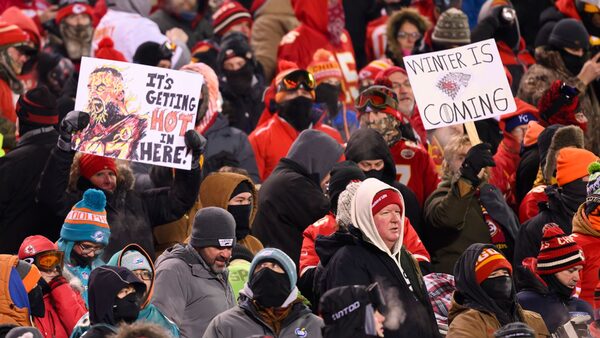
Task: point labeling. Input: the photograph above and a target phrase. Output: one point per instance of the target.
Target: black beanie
(341, 175)
(244, 186)
(37, 108)
(569, 33)
(234, 47)
(47, 62)
(151, 53)
(241, 252)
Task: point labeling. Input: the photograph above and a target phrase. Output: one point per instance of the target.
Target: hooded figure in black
(485, 298)
(107, 307)
(292, 197)
(368, 144)
(242, 88)
(353, 311)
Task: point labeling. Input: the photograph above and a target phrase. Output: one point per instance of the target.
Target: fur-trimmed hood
(568, 136)
(394, 23)
(125, 178)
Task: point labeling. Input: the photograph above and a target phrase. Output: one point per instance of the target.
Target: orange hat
(572, 164)
(534, 130)
(490, 260)
(324, 66)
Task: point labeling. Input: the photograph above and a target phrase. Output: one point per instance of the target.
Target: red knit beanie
(384, 198)
(558, 252)
(230, 13)
(11, 34)
(490, 260)
(74, 9)
(91, 164)
(106, 50)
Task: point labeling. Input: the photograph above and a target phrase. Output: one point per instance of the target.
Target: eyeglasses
(404, 35)
(88, 249)
(48, 261)
(298, 79)
(378, 97)
(143, 274)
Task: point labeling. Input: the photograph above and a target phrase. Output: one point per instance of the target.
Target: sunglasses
(404, 35)
(377, 97)
(87, 249)
(48, 261)
(298, 79)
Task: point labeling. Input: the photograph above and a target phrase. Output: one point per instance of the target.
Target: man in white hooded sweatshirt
(377, 255)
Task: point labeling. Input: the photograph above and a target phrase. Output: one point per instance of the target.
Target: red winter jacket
(272, 141)
(64, 307)
(300, 44)
(327, 226)
(587, 236)
(530, 204)
(415, 168)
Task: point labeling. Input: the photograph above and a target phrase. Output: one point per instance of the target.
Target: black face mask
(328, 94)
(498, 288)
(270, 288)
(80, 260)
(126, 309)
(554, 285)
(297, 112)
(241, 214)
(573, 63)
(378, 174)
(240, 81)
(573, 194)
(36, 302)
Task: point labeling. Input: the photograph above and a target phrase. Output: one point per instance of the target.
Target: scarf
(274, 317)
(335, 28)
(584, 224)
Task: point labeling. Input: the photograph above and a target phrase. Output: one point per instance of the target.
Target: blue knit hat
(87, 220)
(280, 257)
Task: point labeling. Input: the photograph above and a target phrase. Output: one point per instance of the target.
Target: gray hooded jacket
(188, 292)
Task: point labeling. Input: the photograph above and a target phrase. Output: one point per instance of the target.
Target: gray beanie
(213, 227)
(452, 28)
(343, 217)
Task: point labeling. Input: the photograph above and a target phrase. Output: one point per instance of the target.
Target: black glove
(478, 157)
(73, 122)
(196, 143)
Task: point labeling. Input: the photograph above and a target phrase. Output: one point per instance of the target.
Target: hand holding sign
(73, 122)
(458, 85)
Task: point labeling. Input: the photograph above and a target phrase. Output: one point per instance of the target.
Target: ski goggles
(47, 261)
(378, 98)
(298, 79)
(592, 9)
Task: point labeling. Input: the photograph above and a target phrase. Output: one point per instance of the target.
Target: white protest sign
(137, 113)
(461, 84)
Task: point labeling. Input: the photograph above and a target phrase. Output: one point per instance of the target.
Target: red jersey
(272, 141)
(300, 44)
(376, 40)
(415, 169)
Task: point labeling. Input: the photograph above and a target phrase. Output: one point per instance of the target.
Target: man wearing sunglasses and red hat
(64, 306)
(294, 99)
(378, 110)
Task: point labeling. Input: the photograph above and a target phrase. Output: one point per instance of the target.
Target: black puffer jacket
(130, 215)
(357, 262)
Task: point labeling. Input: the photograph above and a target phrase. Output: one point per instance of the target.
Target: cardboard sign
(137, 113)
(461, 84)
